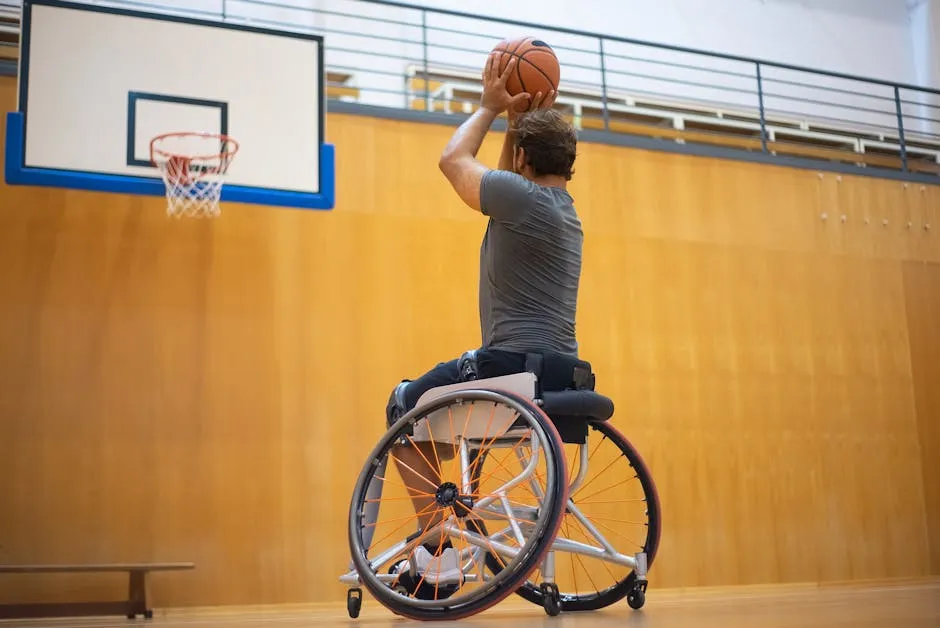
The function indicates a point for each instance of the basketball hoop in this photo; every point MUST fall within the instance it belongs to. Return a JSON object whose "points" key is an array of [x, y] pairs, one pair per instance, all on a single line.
{"points": [[193, 166]]}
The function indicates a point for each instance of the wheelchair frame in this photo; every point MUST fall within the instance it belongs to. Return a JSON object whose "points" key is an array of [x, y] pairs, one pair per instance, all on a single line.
{"points": [[480, 550]]}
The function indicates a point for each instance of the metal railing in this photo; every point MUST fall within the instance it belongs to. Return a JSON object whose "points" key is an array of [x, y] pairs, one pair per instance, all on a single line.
{"points": [[9, 18], [397, 55]]}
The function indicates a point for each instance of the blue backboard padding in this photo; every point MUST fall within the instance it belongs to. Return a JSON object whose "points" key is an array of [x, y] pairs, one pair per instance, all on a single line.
{"points": [[16, 173]]}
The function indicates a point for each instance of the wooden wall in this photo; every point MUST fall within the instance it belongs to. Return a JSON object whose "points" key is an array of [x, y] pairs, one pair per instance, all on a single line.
{"points": [[207, 391]]}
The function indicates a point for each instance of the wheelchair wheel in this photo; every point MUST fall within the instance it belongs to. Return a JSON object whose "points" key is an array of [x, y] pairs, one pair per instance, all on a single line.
{"points": [[479, 434], [615, 502]]}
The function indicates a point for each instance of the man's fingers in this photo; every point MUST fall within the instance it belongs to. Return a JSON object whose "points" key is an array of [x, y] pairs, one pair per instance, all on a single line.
{"points": [[518, 99], [541, 101], [492, 68], [505, 75], [487, 69]]}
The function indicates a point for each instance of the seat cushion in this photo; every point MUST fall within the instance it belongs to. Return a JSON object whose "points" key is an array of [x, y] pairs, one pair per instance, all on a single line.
{"points": [[587, 405]]}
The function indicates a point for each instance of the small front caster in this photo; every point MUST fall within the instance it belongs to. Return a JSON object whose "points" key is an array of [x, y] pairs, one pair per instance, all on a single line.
{"points": [[551, 598], [148, 614], [636, 598], [354, 602]]}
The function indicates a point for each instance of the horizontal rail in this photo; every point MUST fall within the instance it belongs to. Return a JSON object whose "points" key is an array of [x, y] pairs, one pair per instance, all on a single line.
{"points": [[640, 42], [414, 62]]}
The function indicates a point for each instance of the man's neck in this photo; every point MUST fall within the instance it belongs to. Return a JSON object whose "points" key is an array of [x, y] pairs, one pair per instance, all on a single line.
{"points": [[551, 181]]}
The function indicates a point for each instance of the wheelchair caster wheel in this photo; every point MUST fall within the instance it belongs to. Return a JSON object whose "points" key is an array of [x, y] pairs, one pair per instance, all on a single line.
{"points": [[551, 598], [636, 598], [354, 602], [148, 614]]}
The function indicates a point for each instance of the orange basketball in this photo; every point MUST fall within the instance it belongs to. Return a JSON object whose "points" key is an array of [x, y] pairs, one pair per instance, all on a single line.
{"points": [[537, 69]]}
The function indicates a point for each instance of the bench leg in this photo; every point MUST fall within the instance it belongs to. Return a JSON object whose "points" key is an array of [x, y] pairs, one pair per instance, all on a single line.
{"points": [[138, 596]]}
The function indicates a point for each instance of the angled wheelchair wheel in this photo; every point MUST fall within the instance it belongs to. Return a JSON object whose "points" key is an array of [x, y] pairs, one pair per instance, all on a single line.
{"points": [[494, 483], [613, 514]]}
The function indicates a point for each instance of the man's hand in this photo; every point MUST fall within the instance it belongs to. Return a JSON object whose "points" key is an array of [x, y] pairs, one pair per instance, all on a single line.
{"points": [[539, 102], [496, 97], [458, 162], [509, 141]]}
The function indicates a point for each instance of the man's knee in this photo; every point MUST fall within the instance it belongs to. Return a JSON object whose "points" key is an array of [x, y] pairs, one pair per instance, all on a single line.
{"points": [[397, 403], [405, 396]]}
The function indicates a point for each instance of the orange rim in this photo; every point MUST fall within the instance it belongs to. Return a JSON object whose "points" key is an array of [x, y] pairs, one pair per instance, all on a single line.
{"points": [[229, 141]]}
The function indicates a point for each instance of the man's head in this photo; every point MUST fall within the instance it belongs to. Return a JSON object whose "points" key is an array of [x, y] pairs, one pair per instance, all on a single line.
{"points": [[546, 145]]}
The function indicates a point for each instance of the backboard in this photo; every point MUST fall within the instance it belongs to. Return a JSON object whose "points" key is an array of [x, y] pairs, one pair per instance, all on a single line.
{"points": [[97, 83]]}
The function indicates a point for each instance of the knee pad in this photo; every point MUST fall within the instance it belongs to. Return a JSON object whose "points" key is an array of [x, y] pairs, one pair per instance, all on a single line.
{"points": [[467, 366], [396, 407]]}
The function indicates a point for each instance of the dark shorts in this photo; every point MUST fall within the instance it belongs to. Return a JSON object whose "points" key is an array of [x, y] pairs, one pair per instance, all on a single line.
{"points": [[557, 372]]}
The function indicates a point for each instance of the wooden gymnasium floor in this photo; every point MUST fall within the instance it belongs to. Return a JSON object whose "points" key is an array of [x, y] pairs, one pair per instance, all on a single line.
{"points": [[898, 605]]}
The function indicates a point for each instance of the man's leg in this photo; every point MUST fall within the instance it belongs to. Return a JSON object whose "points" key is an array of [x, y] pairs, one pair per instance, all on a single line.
{"points": [[418, 464], [432, 570]]}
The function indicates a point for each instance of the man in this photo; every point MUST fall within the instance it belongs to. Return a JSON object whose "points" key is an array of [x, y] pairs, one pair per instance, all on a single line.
{"points": [[530, 267]]}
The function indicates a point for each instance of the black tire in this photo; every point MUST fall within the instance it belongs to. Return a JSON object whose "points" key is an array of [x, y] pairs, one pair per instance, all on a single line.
{"points": [[532, 552], [616, 592]]}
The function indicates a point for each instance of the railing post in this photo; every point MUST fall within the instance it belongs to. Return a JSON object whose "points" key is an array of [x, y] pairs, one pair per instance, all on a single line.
{"points": [[897, 107], [600, 41], [224, 12], [424, 44], [760, 104]]}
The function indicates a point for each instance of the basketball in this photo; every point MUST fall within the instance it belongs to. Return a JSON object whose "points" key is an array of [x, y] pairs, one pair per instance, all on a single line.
{"points": [[537, 69]]}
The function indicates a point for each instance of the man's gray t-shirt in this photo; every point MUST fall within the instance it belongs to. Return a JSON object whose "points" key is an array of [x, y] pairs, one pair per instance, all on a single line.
{"points": [[530, 266]]}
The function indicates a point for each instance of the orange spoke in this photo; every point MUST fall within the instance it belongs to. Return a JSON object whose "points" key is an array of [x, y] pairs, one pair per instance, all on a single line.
{"points": [[483, 443], [479, 565], [493, 551], [500, 478], [603, 490], [390, 499], [416, 474], [433, 446], [436, 469], [414, 492], [390, 521], [402, 525], [437, 553], [626, 521], [502, 466], [612, 531], [596, 447], [574, 572], [615, 501], [588, 483], [603, 562]]}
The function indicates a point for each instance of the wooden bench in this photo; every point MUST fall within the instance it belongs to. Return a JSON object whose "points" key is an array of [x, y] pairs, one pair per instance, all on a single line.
{"points": [[137, 602]]}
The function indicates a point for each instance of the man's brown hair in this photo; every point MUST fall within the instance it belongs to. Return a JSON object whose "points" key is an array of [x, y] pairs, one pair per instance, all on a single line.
{"points": [[550, 143]]}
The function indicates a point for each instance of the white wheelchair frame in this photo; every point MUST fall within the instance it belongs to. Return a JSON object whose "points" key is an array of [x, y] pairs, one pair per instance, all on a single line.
{"points": [[481, 425]]}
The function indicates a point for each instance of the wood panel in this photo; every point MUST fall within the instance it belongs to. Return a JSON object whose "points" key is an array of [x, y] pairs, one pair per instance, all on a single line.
{"points": [[206, 390], [922, 291]]}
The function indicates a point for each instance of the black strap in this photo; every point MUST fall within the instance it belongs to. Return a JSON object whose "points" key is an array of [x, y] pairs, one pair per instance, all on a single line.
{"points": [[583, 378], [533, 364]]}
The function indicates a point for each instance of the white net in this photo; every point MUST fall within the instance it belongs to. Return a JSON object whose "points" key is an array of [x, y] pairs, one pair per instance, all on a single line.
{"points": [[193, 166]]}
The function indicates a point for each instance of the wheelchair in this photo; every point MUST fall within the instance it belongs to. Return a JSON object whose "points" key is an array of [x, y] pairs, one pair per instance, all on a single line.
{"points": [[515, 519]]}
